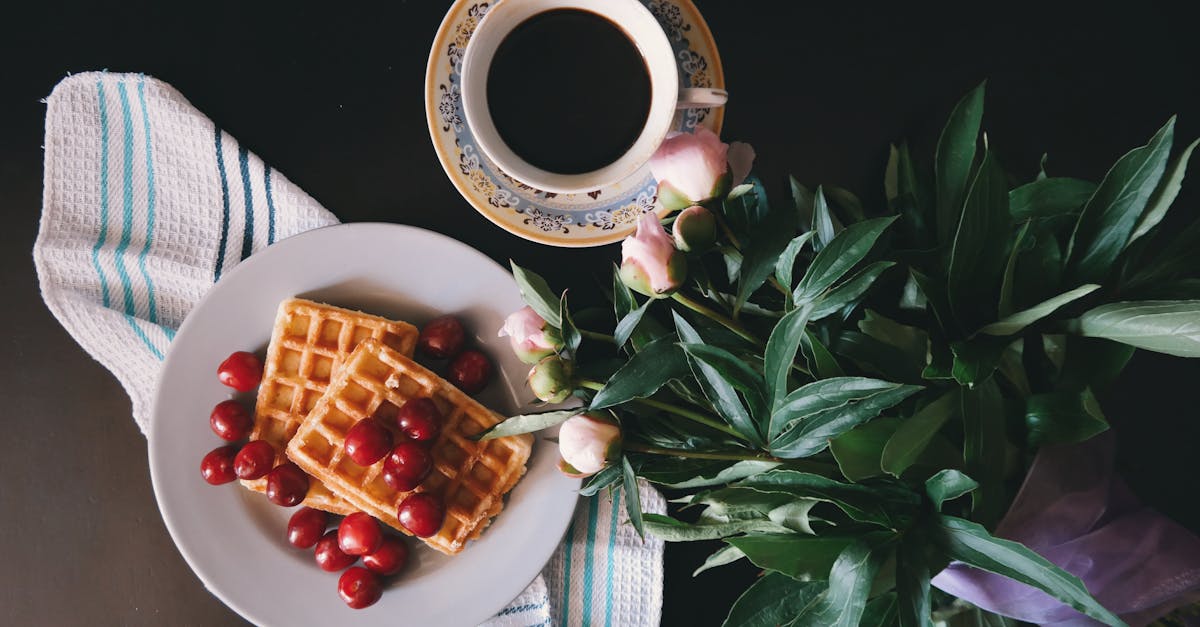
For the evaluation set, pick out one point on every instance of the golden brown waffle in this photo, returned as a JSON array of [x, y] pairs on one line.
[[308, 344], [470, 477]]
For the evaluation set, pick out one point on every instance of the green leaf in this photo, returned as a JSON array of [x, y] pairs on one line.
[[1049, 197], [629, 323], [794, 515], [701, 473], [820, 411], [608, 476], [570, 333], [793, 555], [912, 583], [859, 450], [767, 240], [1063, 417], [536, 293], [875, 357], [623, 302], [847, 201], [644, 373], [915, 433], [1010, 272], [835, 260], [722, 556], [821, 363], [984, 449], [670, 530], [948, 485], [787, 259], [1164, 195], [862, 503], [526, 423], [1013, 323], [780, 354], [911, 201], [1109, 217], [1165, 326], [880, 612], [773, 600], [850, 580], [954, 159], [976, 260], [719, 392], [975, 360], [824, 224], [911, 341], [803, 201], [1039, 268], [971, 544], [1012, 366], [1091, 362], [633, 500], [734, 372], [850, 290]]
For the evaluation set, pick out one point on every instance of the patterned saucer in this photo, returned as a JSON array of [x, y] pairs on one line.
[[594, 218]]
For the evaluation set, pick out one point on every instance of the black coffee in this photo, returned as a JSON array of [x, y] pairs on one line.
[[568, 91]]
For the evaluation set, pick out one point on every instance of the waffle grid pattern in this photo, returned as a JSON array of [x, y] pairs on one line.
[[308, 344], [470, 477]]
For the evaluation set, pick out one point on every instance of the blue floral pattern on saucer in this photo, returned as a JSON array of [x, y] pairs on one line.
[[597, 217]]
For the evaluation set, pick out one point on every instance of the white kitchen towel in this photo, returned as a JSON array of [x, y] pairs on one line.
[[147, 203]]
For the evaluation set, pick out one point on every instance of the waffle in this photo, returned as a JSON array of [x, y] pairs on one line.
[[308, 344], [470, 477]]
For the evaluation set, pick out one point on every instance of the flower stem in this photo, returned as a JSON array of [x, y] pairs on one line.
[[725, 321], [655, 450], [682, 412], [602, 337]]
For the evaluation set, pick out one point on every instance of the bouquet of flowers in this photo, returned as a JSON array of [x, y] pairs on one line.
[[852, 398]]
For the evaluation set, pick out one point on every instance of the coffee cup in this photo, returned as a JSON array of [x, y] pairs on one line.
[[538, 142]]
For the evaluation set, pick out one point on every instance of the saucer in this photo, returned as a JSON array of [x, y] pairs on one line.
[[594, 218]]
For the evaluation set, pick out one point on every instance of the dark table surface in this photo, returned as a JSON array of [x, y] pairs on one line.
[[331, 95]]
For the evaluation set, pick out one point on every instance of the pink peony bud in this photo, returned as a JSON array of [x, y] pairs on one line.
[[650, 264], [550, 379], [531, 337], [695, 229], [587, 443], [690, 168]]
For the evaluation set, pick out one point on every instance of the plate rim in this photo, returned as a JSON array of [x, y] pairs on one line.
[[247, 265]]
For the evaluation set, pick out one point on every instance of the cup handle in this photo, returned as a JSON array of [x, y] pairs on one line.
[[701, 98]]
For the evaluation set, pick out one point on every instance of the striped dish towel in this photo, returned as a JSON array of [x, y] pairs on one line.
[[146, 204]]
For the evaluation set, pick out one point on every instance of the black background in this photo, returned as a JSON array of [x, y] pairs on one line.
[[331, 95]]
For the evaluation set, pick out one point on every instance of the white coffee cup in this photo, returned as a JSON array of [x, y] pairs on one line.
[[642, 29]]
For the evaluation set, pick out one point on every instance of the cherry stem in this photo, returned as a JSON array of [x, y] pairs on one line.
[[682, 412]]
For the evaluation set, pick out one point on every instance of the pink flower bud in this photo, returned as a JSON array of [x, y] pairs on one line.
[[550, 379], [690, 168], [650, 264], [587, 443], [531, 337], [695, 229]]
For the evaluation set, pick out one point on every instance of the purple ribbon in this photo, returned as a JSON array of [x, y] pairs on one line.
[[1074, 511]]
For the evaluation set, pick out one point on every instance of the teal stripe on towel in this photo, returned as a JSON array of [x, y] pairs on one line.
[[612, 543], [248, 229], [566, 595], [270, 205], [103, 193], [588, 559], [150, 200], [224, 241], [127, 201]]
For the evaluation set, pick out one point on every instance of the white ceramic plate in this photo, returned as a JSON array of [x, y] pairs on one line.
[[235, 539]]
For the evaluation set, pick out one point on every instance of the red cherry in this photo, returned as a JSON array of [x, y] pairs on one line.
[[419, 419], [368, 442], [422, 514], [254, 460], [287, 485], [230, 421], [471, 371], [359, 587], [389, 558], [306, 527], [241, 371], [407, 466], [217, 465], [329, 555], [359, 534], [443, 337]]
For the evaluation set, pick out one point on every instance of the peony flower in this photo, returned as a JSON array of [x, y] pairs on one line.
[[695, 229], [650, 264], [587, 443], [531, 337], [550, 379], [692, 168], [1075, 512]]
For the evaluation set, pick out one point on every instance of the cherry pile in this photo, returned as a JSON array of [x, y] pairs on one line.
[[401, 442]]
